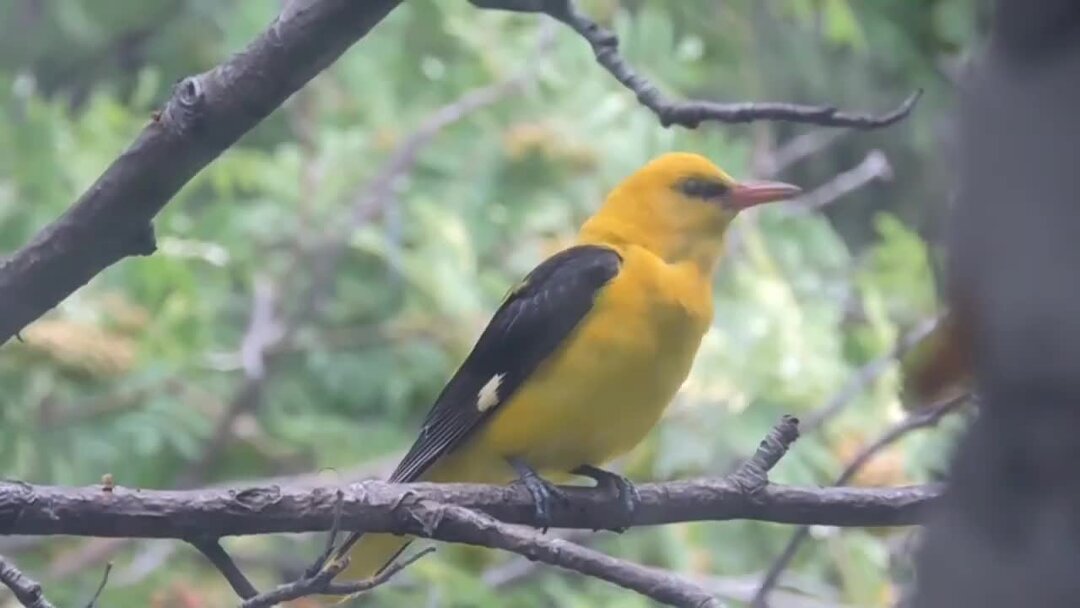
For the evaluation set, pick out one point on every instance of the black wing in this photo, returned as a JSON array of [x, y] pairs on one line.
[[531, 323]]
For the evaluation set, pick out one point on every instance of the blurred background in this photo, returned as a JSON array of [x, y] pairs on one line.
[[316, 285]]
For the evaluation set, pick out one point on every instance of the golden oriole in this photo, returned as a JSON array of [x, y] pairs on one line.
[[583, 356]]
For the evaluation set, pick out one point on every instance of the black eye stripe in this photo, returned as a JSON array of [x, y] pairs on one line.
[[701, 187]]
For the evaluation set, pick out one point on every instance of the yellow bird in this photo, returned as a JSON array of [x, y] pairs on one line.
[[583, 356]]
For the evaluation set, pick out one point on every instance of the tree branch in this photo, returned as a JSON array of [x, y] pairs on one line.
[[382, 190], [322, 583], [690, 114], [923, 417], [213, 551], [266, 333], [377, 506], [101, 586], [866, 375], [874, 166], [753, 475], [206, 114], [27, 591], [263, 332], [459, 513], [457, 524], [804, 145]]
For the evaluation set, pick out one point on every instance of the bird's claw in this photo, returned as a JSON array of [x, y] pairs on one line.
[[544, 494], [622, 487]]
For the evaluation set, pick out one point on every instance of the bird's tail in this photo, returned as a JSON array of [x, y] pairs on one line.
[[371, 554]]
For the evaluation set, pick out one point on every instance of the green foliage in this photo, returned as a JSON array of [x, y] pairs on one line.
[[130, 375]]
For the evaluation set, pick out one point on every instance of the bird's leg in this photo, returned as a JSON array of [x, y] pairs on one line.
[[543, 492], [622, 487]]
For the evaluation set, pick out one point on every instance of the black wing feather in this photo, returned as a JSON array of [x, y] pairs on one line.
[[531, 323]]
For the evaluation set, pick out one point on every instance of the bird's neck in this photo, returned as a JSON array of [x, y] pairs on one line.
[[702, 252]]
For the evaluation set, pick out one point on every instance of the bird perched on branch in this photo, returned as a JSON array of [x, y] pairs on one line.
[[583, 356]]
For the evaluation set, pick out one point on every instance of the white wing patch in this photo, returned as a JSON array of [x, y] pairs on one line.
[[488, 396]]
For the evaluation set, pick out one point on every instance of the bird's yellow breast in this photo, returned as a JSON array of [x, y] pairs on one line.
[[605, 388]]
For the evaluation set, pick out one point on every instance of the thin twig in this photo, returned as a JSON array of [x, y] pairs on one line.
[[263, 332], [321, 583], [315, 580], [753, 474], [923, 417], [382, 190], [101, 586], [212, 549], [799, 147], [331, 536], [605, 45], [874, 166], [866, 375], [27, 591]]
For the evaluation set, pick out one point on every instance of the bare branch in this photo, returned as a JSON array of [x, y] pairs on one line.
[[753, 475], [317, 579], [866, 375], [206, 114], [873, 167], [455, 513], [382, 190], [213, 551], [27, 591], [921, 418], [376, 506], [264, 331], [605, 45], [101, 586], [322, 583], [521, 569], [457, 524], [799, 147]]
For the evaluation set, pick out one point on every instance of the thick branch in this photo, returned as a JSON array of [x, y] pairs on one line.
[[27, 591], [605, 46], [206, 114], [377, 506]]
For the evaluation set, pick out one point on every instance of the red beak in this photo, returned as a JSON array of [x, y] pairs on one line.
[[749, 194]]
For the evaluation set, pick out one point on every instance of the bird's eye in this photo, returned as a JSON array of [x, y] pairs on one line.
[[700, 187]]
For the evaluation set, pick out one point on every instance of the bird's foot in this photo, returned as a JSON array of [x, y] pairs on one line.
[[621, 486], [544, 493]]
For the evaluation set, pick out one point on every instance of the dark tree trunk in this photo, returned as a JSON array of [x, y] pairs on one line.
[[1008, 531]]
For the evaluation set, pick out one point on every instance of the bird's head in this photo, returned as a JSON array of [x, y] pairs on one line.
[[678, 206]]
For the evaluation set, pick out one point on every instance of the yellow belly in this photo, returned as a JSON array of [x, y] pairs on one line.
[[602, 392], [594, 399]]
